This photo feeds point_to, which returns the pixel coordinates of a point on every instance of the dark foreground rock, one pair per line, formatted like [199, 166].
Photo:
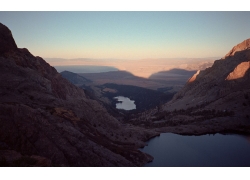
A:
[47, 121]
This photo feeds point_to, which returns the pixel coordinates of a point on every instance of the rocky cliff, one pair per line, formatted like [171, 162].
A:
[47, 121]
[225, 85]
[214, 100]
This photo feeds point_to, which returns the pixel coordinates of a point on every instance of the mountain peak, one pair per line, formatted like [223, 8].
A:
[239, 47]
[7, 43]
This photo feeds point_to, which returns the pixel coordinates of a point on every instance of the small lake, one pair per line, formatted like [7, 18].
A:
[125, 103]
[172, 150]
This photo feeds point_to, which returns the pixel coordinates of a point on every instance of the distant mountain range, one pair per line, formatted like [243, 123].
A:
[85, 69]
[142, 67]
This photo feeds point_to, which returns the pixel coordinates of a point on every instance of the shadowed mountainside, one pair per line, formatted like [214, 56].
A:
[175, 75]
[144, 98]
[126, 78]
[173, 79]
[213, 100]
[123, 78]
[47, 121]
[174, 72]
[75, 78]
[84, 69]
[222, 85]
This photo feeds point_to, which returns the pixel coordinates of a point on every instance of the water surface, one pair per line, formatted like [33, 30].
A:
[172, 150]
[125, 103]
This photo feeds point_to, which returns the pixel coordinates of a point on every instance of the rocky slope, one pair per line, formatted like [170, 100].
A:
[213, 100]
[47, 121]
[221, 86]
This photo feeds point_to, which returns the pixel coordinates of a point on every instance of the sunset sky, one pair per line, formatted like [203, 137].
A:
[127, 35]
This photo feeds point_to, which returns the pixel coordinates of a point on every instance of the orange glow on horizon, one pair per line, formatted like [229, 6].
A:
[142, 68]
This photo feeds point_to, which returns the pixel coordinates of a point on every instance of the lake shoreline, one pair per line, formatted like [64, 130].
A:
[124, 103]
[204, 128]
[216, 150]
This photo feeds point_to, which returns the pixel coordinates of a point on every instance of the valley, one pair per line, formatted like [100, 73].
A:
[184, 107]
[52, 117]
[147, 93]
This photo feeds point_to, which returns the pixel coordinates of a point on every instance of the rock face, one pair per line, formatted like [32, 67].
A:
[239, 47]
[6, 40]
[194, 77]
[47, 121]
[240, 71]
[214, 100]
[223, 86]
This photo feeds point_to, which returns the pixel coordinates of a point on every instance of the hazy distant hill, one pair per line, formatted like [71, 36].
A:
[85, 69]
[138, 67]
[126, 78]
[174, 75]
[123, 78]
[75, 78]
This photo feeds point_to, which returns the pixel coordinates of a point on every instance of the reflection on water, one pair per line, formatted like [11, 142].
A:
[125, 103]
[174, 150]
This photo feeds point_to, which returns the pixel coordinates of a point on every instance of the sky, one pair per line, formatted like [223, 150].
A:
[127, 34]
